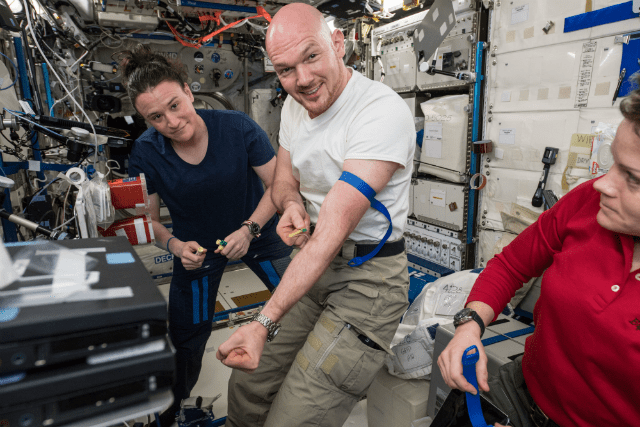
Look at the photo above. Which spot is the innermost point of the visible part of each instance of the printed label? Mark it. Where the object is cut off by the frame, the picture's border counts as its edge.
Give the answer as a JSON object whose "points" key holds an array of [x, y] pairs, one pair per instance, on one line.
{"points": [[507, 136], [520, 14], [585, 74]]}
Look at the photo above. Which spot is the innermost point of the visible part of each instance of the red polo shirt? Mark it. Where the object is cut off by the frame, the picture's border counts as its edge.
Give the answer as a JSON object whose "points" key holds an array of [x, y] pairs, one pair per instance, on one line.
{"points": [[582, 364]]}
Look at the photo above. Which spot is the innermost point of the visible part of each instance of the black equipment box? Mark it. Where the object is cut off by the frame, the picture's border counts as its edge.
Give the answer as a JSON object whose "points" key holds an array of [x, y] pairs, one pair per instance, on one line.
{"points": [[54, 396], [75, 299]]}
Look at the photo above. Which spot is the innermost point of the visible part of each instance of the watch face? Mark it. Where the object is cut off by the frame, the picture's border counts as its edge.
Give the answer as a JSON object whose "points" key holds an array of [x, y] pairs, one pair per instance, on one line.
{"points": [[462, 314], [255, 228]]}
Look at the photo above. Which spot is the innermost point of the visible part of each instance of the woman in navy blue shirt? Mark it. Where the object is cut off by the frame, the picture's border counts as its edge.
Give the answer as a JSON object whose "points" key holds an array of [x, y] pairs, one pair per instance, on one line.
{"points": [[208, 167]]}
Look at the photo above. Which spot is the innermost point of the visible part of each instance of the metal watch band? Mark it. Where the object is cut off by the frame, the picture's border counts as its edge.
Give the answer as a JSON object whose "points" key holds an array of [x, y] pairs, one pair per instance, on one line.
{"points": [[272, 328]]}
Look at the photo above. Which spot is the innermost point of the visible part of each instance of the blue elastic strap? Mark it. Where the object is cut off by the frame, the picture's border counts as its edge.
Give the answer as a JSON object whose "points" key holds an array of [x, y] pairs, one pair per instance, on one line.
{"points": [[473, 401], [370, 194]]}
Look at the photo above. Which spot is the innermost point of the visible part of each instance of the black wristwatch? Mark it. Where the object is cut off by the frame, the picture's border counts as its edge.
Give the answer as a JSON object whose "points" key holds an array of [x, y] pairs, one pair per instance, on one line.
{"points": [[466, 315], [254, 228]]}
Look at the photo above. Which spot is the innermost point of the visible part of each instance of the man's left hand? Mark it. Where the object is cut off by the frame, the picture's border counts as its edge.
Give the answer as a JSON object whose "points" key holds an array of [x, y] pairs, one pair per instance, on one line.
{"points": [[244, 348], [237, 244]]}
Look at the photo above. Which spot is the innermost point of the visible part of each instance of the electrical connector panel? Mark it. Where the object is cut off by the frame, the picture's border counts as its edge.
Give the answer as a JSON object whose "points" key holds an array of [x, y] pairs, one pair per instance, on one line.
{"points": [[434, 244]]}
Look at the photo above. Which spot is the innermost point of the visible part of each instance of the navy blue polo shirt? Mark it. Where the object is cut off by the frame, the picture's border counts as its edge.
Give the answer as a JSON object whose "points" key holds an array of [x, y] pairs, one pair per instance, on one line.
{"points": [[210, 200]]}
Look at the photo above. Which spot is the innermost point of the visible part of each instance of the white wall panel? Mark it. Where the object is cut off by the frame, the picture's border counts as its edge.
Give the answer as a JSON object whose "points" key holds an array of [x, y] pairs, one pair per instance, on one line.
{"points": [[519, 24], [546, 78], [522, 138], [533, 79], [508, 186], [486, 245], [591, 117]]}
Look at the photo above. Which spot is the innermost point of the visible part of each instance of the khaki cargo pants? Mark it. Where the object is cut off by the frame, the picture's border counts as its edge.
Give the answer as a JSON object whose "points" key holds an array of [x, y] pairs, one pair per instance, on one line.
{"points": [[316, 369]]}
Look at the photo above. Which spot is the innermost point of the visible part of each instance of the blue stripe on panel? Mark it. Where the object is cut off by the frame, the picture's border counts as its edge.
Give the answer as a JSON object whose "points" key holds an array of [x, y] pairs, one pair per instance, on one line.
{"points": [[271, 272], [205, 298], [195, 291]]}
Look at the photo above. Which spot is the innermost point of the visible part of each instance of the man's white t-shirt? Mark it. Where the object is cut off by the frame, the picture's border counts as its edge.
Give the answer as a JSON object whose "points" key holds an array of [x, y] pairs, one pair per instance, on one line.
{"points": [[369, 121]]}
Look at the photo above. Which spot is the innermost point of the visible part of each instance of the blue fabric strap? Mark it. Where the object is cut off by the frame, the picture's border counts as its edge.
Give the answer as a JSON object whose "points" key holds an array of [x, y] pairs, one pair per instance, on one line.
{"points": [[370, 194], [473, 401]]}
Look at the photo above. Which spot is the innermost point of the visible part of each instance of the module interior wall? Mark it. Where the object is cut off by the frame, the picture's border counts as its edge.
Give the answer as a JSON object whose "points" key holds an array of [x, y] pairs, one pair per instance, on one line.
{"points": [[519, 23], [532, 96]]}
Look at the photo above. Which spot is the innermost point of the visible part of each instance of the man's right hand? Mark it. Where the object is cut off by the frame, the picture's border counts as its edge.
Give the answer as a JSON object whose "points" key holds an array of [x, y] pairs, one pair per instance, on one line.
{"points": [[450, 360], [188, 253], [295, 217]]}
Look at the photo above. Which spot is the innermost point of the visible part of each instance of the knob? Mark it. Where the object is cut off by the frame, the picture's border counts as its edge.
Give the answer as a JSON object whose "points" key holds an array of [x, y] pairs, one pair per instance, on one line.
{"points": [[216, 75]]}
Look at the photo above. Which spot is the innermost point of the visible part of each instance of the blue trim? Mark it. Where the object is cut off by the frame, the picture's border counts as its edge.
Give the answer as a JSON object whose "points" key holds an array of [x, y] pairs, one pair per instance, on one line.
{"points": [[29, 243], [161, 37], [629, 62], [607, 15], [271, 272], [8, 228], [195, 291], [218, 6], [219, 422], [12, 378], [205, 298], [13, 167], [120, 258], [223, 315], [443, 271], [47, 86], [22, 67], [25, 86], [523, 313], [504, 337], [471, 213], [7, 314]]}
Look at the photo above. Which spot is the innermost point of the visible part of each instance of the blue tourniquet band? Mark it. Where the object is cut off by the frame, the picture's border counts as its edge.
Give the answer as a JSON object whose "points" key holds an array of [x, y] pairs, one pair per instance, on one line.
{"points": [[370, 194], [473, 401]]}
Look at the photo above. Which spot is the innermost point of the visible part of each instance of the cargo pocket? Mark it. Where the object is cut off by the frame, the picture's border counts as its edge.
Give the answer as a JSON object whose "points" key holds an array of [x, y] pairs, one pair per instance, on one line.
{"points": [[352, 366], [360, 298], [391, 301]]}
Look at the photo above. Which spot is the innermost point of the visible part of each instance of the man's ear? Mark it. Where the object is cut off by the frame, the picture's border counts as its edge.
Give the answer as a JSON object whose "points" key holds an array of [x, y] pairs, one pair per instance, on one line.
{"points": [[337, 41]]}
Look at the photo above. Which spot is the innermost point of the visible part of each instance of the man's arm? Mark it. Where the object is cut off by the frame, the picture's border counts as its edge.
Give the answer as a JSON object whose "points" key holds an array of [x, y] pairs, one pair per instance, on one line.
{"points": [[341, 211], [339, 215], [286, 189]]}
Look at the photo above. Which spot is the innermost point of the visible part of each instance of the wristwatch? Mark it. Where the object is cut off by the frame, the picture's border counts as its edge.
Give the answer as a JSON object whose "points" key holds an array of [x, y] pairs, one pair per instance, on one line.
{"points": [[272, 327], [466, 315], [254, 228]]}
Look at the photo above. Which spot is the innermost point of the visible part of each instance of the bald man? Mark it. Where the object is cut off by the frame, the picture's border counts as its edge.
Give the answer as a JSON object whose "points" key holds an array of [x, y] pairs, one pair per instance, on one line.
{"points": [[340, 133]]}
